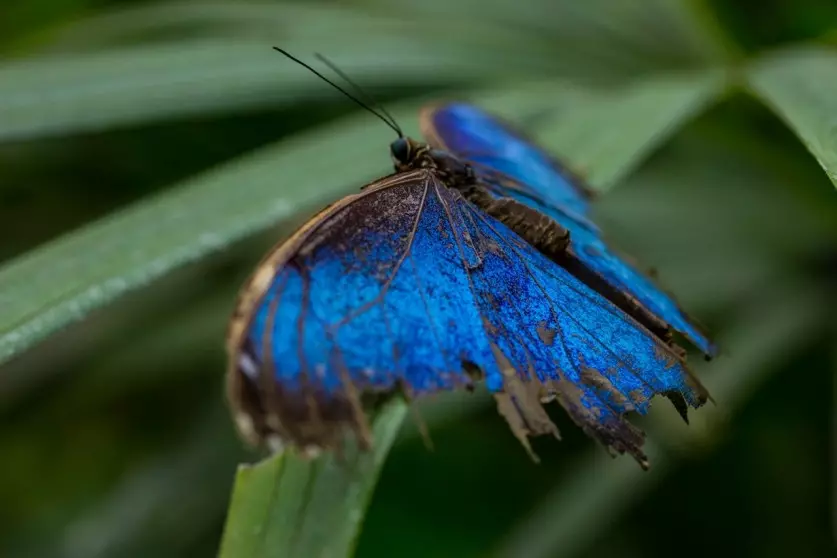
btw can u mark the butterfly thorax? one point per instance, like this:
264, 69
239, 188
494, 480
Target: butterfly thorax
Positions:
536, 228
408, 154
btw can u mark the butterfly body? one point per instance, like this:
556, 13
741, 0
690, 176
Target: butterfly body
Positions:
450, 271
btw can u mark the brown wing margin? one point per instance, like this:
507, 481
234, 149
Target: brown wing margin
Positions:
243, 395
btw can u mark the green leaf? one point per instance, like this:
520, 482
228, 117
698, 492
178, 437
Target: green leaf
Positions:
146, 23
159, 505
98, 91
81, 91
230, 66
600, 40
799, 85
696, 192
606, 137
62, 281
334, 26
288, 505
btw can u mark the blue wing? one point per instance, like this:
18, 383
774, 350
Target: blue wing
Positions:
511, 166
480, 138
409, 287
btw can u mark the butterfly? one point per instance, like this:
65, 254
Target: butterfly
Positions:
475, 261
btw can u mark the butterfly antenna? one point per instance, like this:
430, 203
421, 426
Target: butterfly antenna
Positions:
361, 103
359, 91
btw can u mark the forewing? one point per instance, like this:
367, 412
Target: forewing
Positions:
371, 296
408, 286
511, 166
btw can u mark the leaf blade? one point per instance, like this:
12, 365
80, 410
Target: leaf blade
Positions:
606, 138
47, 97
597, 40
274, 501
229, 65
798, 85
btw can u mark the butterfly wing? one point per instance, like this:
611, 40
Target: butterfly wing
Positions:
409, 287
511, 166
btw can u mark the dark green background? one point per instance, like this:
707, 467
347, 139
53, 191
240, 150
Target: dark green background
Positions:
115, 440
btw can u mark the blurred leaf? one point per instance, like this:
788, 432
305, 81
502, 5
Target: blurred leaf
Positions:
594, 136
288, 505
22, 20
703, 211
760, 341
143, 23
159, 507
600, 40
133, 247
587, 503
286, 21
77, 92
834, 431
115, 476
69, 94
799, 85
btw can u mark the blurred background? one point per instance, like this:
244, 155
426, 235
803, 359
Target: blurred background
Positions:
115, 438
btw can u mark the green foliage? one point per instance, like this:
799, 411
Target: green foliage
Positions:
288, 505
798, 85
151, 151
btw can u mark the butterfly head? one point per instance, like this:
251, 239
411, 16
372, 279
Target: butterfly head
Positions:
408, 154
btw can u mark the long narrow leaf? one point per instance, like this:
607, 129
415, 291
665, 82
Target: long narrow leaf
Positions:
594, 136
61, 95
235, 68
603, 40
291, 506
799, 85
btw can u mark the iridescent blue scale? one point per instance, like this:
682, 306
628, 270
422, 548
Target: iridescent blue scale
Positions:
421, 283
516, 168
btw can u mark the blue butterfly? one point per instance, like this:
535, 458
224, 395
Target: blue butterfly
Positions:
475, 261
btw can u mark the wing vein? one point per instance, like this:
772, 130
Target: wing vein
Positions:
388, 282
578, 323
